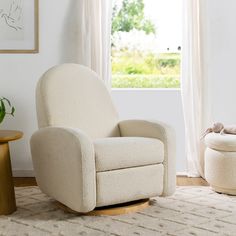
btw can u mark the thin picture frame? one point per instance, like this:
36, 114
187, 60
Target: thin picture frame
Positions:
35, 33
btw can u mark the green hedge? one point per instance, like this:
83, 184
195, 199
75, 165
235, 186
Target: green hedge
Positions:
136, 69
145, 81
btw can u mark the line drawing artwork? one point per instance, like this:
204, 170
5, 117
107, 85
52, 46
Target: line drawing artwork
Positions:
12, 15
19, 26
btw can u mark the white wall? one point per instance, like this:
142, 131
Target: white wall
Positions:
19, 74
221, 63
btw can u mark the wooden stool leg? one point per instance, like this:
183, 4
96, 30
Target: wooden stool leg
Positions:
7, 194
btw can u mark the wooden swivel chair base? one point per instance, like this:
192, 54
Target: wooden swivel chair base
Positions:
118, 209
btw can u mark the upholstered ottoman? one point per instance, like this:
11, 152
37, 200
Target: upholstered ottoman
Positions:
220, 162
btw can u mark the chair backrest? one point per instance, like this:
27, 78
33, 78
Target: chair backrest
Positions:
72, 95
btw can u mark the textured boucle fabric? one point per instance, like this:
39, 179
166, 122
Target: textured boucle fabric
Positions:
223, 142
163, 132
125, 152
119, 186
220, 162
220, 169
64, 166
72, 95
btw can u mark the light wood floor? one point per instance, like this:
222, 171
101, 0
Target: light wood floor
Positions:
186, 181
181, 181
24, 181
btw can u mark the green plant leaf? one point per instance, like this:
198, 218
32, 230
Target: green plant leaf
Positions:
13, 111
9, 103
3, 106
2, 115
3, 111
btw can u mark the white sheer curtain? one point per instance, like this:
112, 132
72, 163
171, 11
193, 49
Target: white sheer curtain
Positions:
94, 30
194, 86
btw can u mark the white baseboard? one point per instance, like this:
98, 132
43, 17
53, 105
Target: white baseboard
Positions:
30, 173
23, 173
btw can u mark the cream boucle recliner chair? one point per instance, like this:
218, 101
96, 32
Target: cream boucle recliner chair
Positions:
84, 157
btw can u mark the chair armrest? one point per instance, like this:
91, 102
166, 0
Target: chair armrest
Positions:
163, 132
64, 164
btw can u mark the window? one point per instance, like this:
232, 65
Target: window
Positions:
146, 43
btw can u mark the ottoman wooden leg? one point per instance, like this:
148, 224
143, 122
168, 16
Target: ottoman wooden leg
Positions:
7, 194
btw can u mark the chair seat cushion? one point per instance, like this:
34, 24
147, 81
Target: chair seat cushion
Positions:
125, 152
221, 142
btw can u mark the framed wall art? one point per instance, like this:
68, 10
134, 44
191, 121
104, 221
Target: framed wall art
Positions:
19, 26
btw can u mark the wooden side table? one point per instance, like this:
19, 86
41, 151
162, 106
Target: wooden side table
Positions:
7, 193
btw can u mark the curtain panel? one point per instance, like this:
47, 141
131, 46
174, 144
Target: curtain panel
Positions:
194, 85
94, 33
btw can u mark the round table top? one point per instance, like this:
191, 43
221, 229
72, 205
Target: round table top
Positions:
9, 135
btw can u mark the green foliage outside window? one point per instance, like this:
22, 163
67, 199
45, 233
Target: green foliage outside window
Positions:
135, 68
131, 16
140, 70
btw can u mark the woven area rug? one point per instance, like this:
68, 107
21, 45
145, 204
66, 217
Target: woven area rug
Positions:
192, 211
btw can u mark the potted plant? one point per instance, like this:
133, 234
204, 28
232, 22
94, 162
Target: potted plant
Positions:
5, 108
